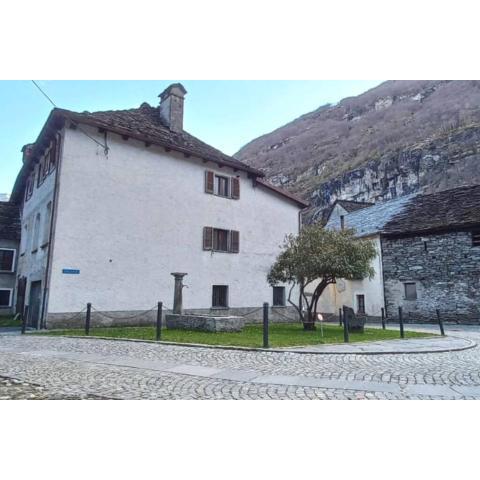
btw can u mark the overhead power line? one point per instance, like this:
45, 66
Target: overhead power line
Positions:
44, 94
105, 147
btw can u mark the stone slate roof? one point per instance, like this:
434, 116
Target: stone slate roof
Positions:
352, 206
448, 210
372, 220
9, 221
348, 205
144, 123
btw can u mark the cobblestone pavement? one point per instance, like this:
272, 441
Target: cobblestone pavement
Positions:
12, 389
55, 367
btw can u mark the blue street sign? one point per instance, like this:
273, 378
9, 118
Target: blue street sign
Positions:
71, 271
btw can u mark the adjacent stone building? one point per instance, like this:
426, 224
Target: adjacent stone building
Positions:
428, 257
365, 296
431, 257
9, 239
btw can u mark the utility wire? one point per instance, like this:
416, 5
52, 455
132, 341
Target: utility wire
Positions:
44, 94
105, 147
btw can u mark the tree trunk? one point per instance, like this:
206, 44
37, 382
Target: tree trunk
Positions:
309, 321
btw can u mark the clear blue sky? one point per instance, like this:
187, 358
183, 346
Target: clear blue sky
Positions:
225, 114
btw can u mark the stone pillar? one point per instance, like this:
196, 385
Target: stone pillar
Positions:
177, 296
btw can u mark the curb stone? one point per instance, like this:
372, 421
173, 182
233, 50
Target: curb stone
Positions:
470, 344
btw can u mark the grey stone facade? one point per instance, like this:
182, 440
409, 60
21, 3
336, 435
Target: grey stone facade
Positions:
445, 269
204, 323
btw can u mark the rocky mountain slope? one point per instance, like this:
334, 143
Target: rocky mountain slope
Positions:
399, 137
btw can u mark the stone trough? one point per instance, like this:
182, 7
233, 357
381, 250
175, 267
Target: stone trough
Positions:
205, 323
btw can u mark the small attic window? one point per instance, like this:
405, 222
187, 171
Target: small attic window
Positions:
476, 237
342, 222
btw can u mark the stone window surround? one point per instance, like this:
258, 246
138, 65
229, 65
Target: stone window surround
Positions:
221, 181
357, 302
10, 297
405, 296
14, 250
227, 299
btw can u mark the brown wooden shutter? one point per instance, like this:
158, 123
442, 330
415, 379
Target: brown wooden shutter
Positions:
234, 241
209, 181
235, 188
207, 238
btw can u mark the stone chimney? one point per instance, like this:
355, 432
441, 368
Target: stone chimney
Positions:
171, 107
27, 152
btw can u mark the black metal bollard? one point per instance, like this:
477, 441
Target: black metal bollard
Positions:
265, 325
340, 317
440, 323
383, 318
24, 319
346, 336
400, 319
159, 321
87, 319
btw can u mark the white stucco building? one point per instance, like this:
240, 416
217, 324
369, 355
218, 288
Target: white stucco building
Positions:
113, 202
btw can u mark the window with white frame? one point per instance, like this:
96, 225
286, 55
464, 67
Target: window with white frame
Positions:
410, 290
222, 185
46, 224
36, 233
29, 186
7, 259
24, 239
361, 304
5, 297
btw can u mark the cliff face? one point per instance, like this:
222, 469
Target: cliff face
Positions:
447, 161
400, 137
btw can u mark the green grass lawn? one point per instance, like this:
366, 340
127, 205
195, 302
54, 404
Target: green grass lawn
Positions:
9, 321
281, 335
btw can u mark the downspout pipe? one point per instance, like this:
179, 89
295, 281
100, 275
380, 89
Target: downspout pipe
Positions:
59, 148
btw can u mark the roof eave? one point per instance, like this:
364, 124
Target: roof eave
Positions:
430, 231
50, 127
293, 198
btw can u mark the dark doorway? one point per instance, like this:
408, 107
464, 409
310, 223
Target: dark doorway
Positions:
361, 304
35, 304
21, 288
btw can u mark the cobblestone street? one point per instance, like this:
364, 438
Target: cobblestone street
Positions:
60, 368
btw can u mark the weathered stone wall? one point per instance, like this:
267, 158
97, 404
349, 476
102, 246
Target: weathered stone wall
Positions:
133, 318
446, 271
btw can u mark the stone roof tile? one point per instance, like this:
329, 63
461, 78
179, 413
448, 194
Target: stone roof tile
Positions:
9, 221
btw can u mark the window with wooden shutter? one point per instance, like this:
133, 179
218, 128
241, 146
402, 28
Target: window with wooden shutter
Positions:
235, 188
207, 238
234, 241
209, 181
